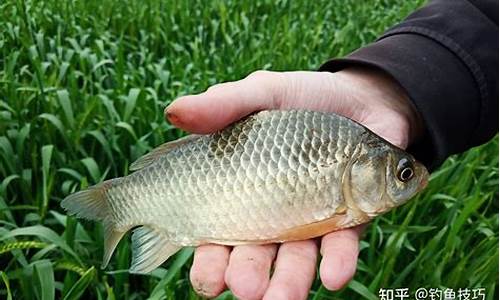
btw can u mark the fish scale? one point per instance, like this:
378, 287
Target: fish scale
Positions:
274, 176
181, 168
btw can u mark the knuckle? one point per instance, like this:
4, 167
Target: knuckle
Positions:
261, 74
217, 86
303, 252
273, 85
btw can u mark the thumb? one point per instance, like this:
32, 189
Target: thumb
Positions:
225, 103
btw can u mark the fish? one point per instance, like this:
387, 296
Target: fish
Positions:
272, 177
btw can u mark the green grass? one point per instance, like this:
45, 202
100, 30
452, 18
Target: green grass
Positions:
82, 90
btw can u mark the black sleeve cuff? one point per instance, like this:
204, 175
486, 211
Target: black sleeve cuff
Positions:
439, 84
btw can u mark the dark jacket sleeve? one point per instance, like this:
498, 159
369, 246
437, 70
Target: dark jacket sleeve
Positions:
445, 55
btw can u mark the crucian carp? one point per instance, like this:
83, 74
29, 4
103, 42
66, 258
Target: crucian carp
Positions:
274, 176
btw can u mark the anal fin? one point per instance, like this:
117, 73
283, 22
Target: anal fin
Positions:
150, 248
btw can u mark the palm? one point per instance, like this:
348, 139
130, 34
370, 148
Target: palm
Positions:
245, 269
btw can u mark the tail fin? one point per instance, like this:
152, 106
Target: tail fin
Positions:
92, 204
89, 204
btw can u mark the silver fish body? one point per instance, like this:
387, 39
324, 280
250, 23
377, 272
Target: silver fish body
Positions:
274, 176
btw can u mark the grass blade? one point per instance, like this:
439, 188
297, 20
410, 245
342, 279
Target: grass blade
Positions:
42, 233
92, 168
81, 285
44, 279
181, 259
130, 101
362, 290
6, 282
46, 179
65, 103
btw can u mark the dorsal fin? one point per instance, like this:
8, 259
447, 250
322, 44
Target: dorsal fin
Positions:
150, 157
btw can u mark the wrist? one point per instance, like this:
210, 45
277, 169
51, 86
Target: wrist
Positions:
381, 95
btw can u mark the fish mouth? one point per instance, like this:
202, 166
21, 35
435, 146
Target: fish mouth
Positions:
424, 178
423, 183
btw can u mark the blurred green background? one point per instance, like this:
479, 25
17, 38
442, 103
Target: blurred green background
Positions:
83, 85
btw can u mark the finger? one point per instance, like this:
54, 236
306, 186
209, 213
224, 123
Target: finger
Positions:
340, 254
207, 271
225, 103
248, 272
294, 271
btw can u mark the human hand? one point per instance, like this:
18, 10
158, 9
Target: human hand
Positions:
365, 95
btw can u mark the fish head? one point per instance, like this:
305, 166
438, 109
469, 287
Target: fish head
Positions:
384, 176
405, 177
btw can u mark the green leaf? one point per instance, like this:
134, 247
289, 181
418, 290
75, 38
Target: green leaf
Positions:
92, 168
97, 134
21, 139
5, 210
79, 287
43, 233
6, 181
5, 280
73, 173
44, 279
80, 234
7, 152
225, 296
181, 259
65, 103
110, 107
128, 128
101, 63
55, 122
46, 157
362, 290
62, 71
130, 102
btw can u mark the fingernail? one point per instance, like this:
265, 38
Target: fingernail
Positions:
171, 117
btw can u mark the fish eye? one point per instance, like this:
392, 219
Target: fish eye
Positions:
405, 170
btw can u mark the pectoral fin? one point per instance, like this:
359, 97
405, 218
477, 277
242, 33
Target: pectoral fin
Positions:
150, 248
